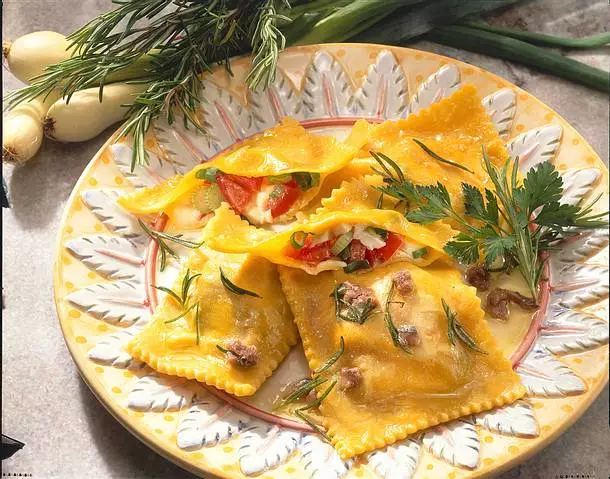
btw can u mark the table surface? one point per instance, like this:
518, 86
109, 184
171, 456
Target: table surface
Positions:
67, 432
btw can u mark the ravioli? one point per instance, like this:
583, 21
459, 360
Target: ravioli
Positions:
456, 128
265, 323
398, 393
227, 232
286, 149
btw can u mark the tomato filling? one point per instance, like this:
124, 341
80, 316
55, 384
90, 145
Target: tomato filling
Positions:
241, 192
372, 247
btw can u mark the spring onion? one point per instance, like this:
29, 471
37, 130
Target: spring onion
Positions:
493, 44
356, 265
306, 181
207, 198
279, 179
342, 242
208, 174
297, 239
420, 253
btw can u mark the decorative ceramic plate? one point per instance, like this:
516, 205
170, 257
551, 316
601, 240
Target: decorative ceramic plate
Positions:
105, 266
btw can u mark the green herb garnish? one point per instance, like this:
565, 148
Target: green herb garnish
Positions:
306, 181
387, 316
356, 265
440, 158
208, 174
161, 239
233, 288
515, 222
345, 311
333, 359
456, 331
420, 253
183, 296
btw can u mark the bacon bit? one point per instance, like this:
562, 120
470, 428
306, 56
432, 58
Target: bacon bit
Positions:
498, 299
404, 282
357, 295
349, 378
311, 396
478, 277
241, 354
407, 335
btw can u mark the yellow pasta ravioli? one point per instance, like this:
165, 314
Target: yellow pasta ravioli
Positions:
227, 232
398, 393
284, 150
263, 326
456, 128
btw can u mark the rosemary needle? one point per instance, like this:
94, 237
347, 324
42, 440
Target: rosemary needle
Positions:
233, 288
440, 158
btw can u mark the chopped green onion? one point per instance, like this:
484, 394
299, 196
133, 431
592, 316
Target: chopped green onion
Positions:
420, 253
279, 179
277, 191
207, 198
298, 238
346, 253
500, 46
233, 288
342, 242
356, 265
306, 181
208, 174
380, 232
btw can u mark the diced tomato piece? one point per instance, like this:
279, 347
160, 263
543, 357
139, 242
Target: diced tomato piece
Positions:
248, 182
237, 196
311, 254
357, 251
381, 255
283, 197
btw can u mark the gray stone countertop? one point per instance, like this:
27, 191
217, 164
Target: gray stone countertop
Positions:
67, 432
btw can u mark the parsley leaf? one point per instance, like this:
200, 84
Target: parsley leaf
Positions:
463, 248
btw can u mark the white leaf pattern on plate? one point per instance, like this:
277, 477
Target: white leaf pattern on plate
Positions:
207, 423
187, 147
583, 246
456, 442
501, 107
121, 303
265, 446
143, 175
326, 91
535, 146
116, 258
225, 119
397, 461
102, 204
159, 394
110, 350
320, 459
514, 420
544, 376
565, 331
271, 105
580, 284
437, 86
384, 93
578, 183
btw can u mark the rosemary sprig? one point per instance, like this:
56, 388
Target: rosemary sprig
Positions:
197, 322
358, 313
167, 44
233, 288
456, 331
440, 158
333, 359
387, 316
161, 239
183, 296
301, 391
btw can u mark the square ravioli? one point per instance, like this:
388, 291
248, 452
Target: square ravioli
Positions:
386, 392
255, 333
